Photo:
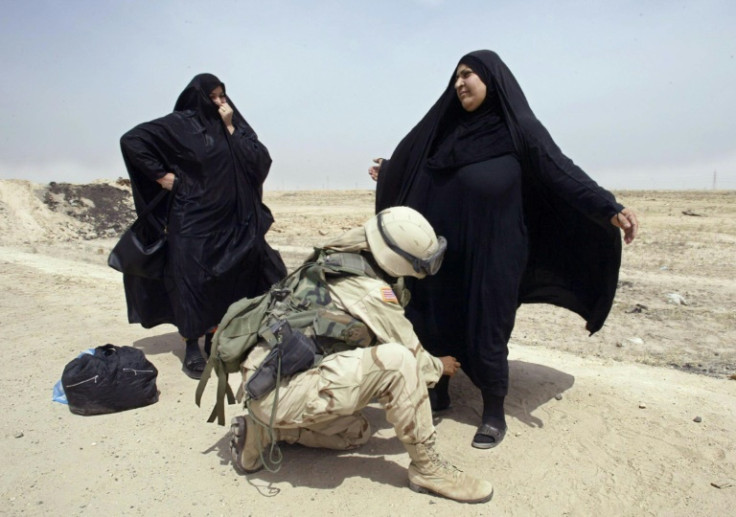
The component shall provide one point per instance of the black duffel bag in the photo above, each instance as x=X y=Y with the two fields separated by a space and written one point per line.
x=112 y=379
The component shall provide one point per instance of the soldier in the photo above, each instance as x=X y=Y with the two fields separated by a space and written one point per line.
x=377 y=356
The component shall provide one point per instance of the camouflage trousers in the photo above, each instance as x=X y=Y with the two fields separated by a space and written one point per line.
x=321 y=406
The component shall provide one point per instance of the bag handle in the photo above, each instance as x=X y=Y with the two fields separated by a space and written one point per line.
x=157 y=199
x=153 y=204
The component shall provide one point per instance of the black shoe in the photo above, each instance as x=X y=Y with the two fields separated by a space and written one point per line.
x=194 y=363
x=439 y=396
x=194 y=366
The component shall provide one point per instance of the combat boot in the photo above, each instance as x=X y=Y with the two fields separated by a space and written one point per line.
x=428 y=473
x=247 y=441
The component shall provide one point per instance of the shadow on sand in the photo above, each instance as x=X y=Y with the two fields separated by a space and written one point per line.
x=532 y=386
x=325 y=468
x=171 y=343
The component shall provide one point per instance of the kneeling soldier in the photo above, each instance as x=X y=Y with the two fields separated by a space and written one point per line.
x=369 y=352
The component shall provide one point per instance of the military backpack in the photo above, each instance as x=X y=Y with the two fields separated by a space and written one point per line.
x=301 y=299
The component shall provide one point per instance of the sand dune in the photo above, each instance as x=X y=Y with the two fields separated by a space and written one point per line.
x=600 y=425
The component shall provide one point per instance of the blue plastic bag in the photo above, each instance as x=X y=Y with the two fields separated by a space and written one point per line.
x=58 y=394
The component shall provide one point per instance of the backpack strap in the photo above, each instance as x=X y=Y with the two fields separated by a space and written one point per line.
x=278 y=291
x=223 y=390
x=351 y=263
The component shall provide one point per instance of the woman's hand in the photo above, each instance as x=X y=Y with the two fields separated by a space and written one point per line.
x=626 y=220
x=226 y=113
x=167 y=181
x=450 y=365
x=373 y=170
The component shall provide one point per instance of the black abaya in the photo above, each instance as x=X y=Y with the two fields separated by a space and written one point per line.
x=528 y=226
x=467 y=309
x=217 y=251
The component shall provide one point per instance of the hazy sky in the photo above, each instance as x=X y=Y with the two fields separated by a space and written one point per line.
x=638 y=93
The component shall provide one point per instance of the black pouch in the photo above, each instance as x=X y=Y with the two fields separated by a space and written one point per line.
x=296 y=353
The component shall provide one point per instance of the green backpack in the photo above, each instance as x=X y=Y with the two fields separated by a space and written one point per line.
x=302 y=298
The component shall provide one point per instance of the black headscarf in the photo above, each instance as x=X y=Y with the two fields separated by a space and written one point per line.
x=574 y=251
x=196 y=98
x=471 y=137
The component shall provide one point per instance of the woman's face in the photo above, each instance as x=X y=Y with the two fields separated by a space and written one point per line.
x=218 y=96
x=470 y=89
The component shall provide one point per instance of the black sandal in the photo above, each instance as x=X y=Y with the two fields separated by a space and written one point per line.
x=488 y=436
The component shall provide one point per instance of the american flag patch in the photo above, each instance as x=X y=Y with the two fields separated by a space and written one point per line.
x=388 y=295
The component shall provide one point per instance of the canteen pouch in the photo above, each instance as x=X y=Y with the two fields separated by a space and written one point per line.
x=295 y=353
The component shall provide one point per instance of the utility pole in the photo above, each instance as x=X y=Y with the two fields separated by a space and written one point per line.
x=714 y=179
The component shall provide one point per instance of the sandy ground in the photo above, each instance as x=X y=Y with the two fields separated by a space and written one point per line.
x=600 y=425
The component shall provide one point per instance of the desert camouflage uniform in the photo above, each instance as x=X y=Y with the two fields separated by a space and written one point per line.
x=321 y=406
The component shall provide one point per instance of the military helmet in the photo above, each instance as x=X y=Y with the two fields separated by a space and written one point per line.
x=403 y=242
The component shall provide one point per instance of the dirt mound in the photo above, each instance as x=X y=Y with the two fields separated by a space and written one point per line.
x=33 y=213
x=106 y=208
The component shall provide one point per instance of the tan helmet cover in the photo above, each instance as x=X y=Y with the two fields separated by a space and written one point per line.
x=410 y=231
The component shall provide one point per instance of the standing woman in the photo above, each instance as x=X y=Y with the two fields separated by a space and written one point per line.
x=211 y=161
x=523 y=224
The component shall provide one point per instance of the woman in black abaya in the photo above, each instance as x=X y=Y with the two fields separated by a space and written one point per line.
x=211 y=161
x=523 y=224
